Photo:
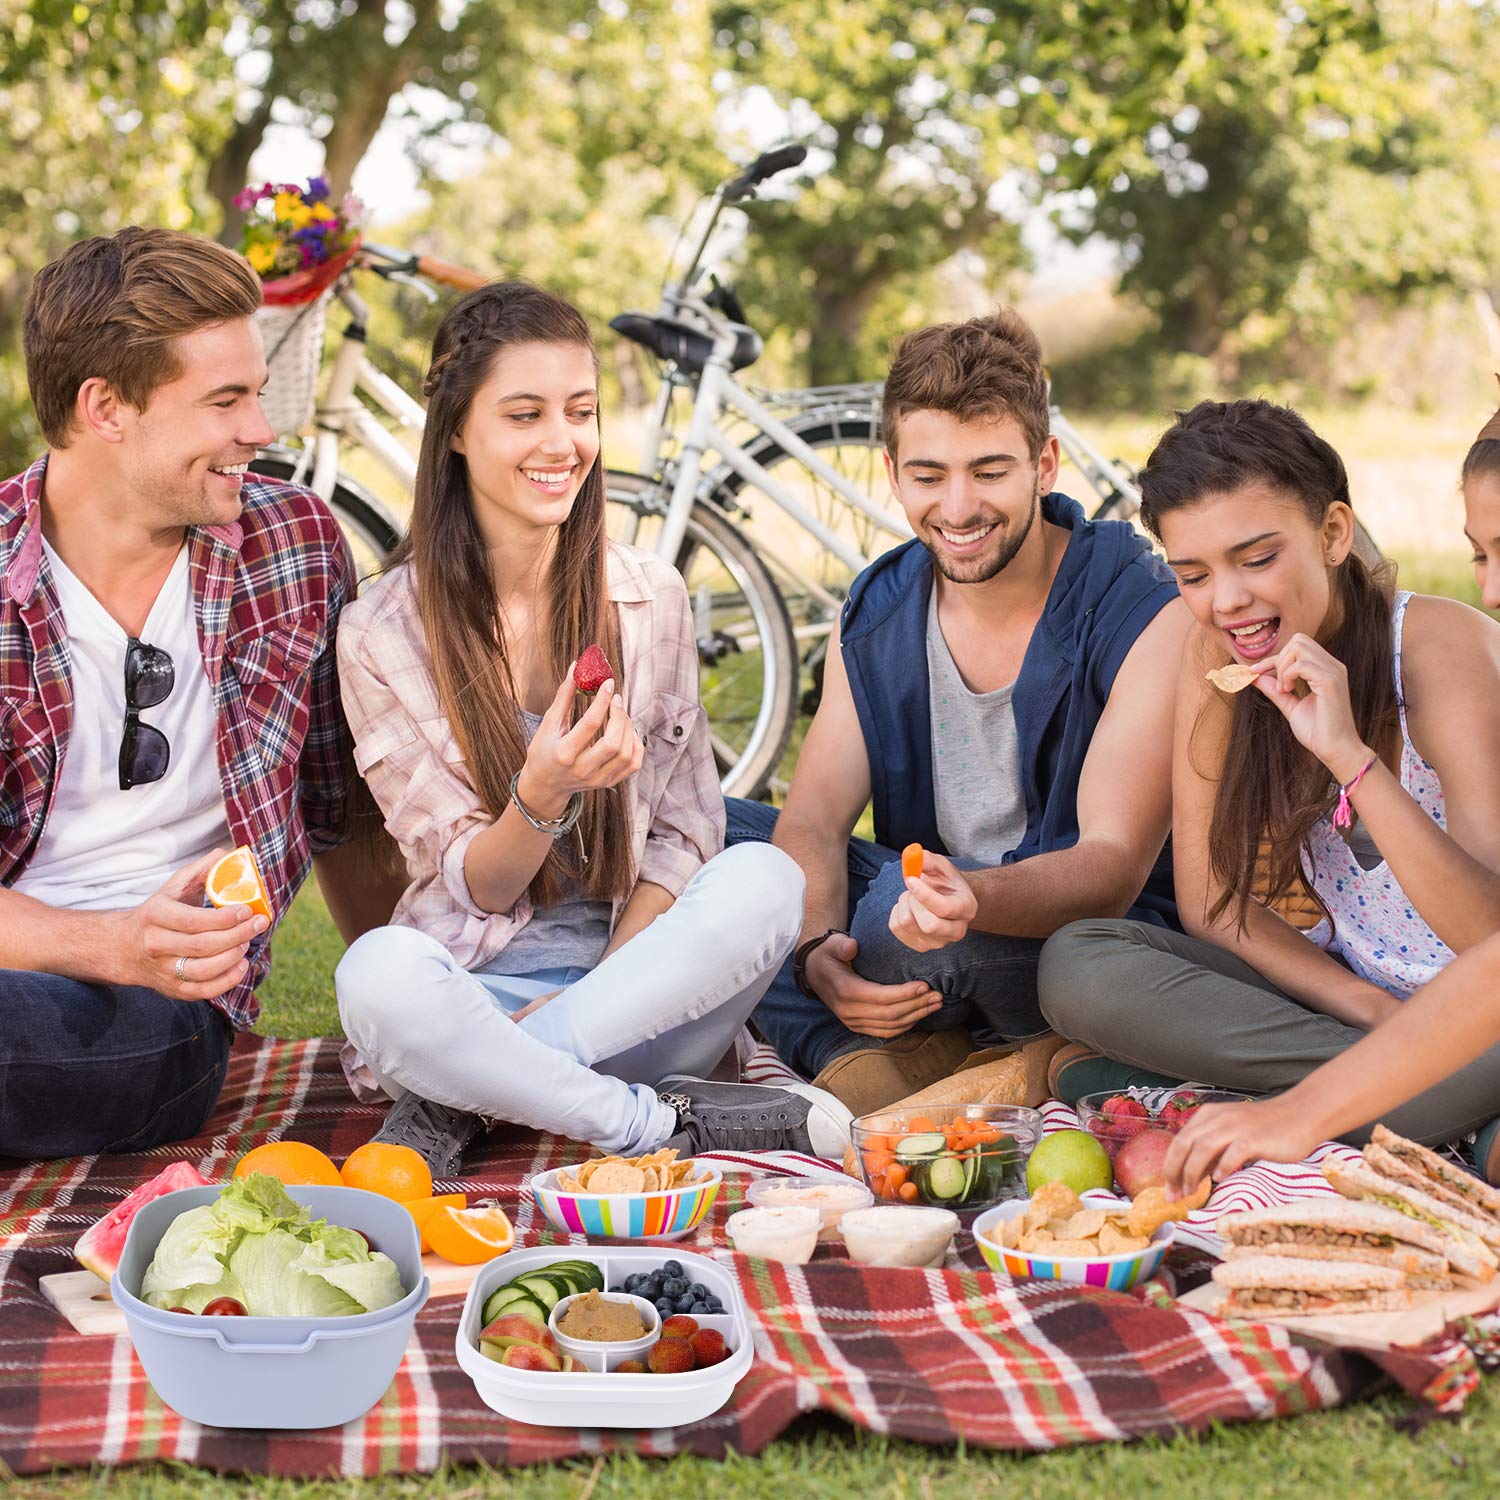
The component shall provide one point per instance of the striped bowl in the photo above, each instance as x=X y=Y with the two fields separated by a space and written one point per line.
x=627 y=1216
x=1115 y=1273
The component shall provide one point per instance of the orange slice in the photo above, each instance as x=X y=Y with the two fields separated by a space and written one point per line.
x=235 y=881
x=467 y=1236
x=422 y=1209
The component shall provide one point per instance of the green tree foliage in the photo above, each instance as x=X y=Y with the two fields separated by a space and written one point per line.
x=1321 y=154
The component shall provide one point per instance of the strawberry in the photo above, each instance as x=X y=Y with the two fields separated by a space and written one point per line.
x=709 y=1347
x=1122 y=1106
x=592 y=670
x=630 y=1367
x=671 y=1356
x=679 y=1326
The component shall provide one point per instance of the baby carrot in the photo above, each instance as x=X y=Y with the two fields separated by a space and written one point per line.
x=911 y=861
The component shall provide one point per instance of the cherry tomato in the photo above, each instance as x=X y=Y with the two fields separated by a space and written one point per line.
x=225 y=1307
x=186 y=1310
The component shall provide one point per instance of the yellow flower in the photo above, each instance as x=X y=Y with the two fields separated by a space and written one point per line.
x=323 y=214
x=261 y=257
x=290 y=207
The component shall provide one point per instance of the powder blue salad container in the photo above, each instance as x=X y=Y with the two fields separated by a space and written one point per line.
x=274 y=1372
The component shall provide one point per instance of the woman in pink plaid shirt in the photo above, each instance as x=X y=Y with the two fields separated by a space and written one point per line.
x=574 y=950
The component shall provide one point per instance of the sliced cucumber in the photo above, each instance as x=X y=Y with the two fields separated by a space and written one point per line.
x=584 y=1273
x=544 y=1288
x=971 y=1174
x=914 y=1148
x=946 y=1179
x=514 y=1299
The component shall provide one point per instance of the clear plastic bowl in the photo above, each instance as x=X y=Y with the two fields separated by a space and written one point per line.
x=833 y=1197
x=1112 y=1131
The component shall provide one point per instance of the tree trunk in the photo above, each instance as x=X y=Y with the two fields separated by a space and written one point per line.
x=837 y=321
x=228 y=172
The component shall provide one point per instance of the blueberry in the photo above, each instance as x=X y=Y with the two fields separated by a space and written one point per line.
x=619 y=1288
x=633 y=1281
x=665 y=1306
x=673 y=1286
x=699 y=1290
x=700 y=1307
x=672 y=1268
x=684 y=1305
x=714 y=1305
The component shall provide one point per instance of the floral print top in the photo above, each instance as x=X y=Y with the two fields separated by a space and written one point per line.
x=1376 y=929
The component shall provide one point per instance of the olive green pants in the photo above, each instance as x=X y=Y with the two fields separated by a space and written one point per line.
x=1177 y=1005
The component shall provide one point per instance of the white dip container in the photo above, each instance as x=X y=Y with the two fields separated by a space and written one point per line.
x=785 y=1234
x=893 y=1234
x=833 y=1197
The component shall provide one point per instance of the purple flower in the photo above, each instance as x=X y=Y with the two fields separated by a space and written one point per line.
x=317 y=187
x=248 y=197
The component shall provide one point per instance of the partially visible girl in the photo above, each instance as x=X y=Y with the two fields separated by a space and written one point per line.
x=1364 y=757
x=574 y=952
x=1439 y=1031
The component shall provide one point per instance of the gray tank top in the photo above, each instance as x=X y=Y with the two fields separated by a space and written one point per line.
x=976 y=774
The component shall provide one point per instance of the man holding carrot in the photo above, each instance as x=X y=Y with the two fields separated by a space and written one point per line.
x=1002 y=688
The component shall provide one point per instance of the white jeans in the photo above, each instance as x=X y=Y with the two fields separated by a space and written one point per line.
x=670 y=1001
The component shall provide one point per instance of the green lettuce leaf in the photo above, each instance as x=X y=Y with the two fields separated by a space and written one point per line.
x=258 y=1204
x=191 y=1253
x=371 y=1280
x=266 y=1267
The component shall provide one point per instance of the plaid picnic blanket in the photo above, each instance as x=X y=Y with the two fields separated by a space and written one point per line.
x=936 y=1356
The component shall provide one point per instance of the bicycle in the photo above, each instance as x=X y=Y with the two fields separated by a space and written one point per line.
x=815 y=453
x=341 y=418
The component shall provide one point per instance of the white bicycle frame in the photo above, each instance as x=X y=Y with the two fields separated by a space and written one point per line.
x=342 y=417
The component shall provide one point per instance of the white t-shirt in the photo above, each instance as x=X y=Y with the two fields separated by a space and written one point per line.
x=103 y=848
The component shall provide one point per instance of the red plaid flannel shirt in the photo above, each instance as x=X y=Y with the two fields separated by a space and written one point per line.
x=267 y=590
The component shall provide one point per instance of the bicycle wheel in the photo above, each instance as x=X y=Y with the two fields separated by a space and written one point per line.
x=371 y=529
x=747 y=654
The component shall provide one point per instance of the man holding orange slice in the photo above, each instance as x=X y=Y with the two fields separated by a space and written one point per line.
x=1001 y=689
x=168 y=689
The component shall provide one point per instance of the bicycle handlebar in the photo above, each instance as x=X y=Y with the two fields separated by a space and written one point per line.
x=448 y=274
x=767 y=164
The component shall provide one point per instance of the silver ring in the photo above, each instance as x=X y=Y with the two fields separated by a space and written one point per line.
x=180 y=969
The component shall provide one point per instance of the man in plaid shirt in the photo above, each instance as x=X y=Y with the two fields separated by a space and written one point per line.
x=168 y=690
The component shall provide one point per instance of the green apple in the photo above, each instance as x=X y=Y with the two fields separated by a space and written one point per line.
x=1073 y=1157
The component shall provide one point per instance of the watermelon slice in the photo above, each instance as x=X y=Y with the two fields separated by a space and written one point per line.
x=102 y=1244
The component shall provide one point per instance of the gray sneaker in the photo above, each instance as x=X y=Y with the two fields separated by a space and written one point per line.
x=437 y=1133
x=754 y=1117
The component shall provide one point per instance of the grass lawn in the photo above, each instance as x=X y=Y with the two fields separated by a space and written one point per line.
x=1356 y=1451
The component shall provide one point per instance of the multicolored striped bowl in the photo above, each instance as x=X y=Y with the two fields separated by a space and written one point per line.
x=627 y=1216
x=1115 y=1273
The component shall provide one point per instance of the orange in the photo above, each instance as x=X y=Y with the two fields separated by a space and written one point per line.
x=235 y=881
x=467 y=1236
x=392 y=1171
x=422 y=1209
x=292 y=1162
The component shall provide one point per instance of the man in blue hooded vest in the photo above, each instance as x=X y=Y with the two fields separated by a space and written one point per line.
x=1002 y=688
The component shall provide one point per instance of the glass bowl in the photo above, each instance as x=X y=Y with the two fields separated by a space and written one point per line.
x=1136 y=1110
x=963 y=1157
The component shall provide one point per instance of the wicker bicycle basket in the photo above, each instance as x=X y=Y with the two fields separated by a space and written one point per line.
x=294 y=350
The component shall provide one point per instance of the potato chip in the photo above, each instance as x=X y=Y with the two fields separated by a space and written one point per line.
x=1234 y=677
x=1039 y=1238
x=567 y=1183
x=1088 y=1248
x=1055 y=1200
x=1115 y=1241
x=1010 y=1232
x=1083 y=1225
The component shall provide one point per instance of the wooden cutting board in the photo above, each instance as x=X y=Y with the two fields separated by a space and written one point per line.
x=84 y=1300
x=1381 y=1330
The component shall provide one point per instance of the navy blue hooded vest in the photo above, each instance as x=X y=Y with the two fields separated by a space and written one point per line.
x=1109 y=587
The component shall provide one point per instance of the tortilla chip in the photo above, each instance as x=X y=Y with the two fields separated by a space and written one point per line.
x=567 y=1183
x=617 y=1177
x=1233 y=677
x=650 y=1183
x=1115 y=1241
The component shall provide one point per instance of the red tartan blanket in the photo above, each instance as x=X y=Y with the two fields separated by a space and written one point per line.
x=935 y=1356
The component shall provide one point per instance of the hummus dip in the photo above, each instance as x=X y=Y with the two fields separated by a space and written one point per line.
x=601 y=1321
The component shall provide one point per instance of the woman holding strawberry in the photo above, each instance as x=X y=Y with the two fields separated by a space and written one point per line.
x=573 y=950
x=1362 y=758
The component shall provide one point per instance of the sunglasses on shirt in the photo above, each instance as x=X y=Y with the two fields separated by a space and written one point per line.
x=149 y=679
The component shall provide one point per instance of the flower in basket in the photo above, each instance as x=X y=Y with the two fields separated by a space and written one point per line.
x=295 y=238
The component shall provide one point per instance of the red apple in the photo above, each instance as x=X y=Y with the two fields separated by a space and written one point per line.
x=511 y=1329
x=1140 y=1161
x=531 y=1357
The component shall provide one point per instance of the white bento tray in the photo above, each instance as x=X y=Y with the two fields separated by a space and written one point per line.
x=589 y=1399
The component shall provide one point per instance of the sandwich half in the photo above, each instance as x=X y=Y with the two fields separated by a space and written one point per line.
x=1395 y=1156
x=1467 y=1251
x=1281 y=1286
x=1341 y=1229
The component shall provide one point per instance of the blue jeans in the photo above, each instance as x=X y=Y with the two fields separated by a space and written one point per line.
x=103 y=1067
x=987 y=980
